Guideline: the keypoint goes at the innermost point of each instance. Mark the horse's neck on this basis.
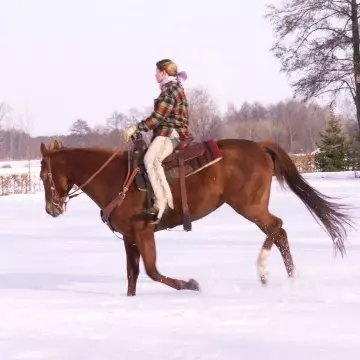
(84, 163)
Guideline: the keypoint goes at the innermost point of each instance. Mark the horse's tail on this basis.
(330, 214)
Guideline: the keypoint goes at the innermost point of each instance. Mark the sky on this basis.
(70, 59)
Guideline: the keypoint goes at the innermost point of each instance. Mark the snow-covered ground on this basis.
(19, 167)
(63, 286)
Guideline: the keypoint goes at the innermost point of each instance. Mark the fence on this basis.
(304, 162)
(20, 184)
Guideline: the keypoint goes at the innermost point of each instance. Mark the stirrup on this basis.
(155, 221)
(151, 211)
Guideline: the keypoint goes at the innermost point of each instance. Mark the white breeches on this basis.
(159, 149)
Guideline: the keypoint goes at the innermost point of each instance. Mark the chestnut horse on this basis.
(242, 179)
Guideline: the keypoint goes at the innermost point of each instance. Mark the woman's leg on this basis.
(159, 149)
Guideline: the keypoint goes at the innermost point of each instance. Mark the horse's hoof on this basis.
(193, 285)
(263, 280)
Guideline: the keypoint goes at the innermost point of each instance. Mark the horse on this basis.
(241, 178)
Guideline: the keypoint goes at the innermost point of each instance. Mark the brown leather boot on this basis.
(152, 212)
(155, 221)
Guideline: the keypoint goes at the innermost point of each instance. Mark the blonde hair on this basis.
(168, 66)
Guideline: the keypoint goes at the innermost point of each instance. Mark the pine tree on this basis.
(334, 148)
(354, 156)
(80, 127)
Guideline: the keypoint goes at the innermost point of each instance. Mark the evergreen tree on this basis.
(334, 148)
(80, 127)
(354, 156)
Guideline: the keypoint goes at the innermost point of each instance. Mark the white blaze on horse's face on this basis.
(56, 185)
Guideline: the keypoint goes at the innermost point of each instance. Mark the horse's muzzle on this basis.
(54, 210)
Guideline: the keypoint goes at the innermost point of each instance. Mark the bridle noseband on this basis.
(58, 201)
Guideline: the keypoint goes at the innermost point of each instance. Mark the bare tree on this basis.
(318, 43)
(117, 121)
(300, 123)
(314, 122)
(135, 115)
(4, 112)
(5, 109)
(203, 114)
(79, 133)
(293, 124)
(80, 127)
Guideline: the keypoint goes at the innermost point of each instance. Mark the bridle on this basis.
(60, 202)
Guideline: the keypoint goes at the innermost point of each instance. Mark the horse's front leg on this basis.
(132, 264)
(146, 245)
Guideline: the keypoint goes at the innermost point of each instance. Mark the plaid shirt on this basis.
(170, 112)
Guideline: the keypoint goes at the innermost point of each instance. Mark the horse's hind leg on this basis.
(275, 234)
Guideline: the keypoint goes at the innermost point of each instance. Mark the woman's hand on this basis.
(129, 132)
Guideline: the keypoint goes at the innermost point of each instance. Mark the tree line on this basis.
(295, 125)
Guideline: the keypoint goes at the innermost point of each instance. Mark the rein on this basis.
(73, 194)
(56, 199)
(60, 202)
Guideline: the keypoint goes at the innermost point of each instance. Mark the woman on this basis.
(170, 123)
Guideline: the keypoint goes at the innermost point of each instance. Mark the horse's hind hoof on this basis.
(193, 285)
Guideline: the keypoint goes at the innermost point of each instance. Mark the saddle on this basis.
(187, 158)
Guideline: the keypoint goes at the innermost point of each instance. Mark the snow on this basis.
(332, 175)
(19, 167)
(63, 286)
(19, 176)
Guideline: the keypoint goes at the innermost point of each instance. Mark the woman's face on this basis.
(160, 75)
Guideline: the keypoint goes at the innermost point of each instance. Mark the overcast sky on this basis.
(72, 59)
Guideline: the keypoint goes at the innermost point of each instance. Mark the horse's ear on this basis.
(43, 149)
(57, 145)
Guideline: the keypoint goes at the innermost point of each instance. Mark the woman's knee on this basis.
(158, 150)
(152, 162)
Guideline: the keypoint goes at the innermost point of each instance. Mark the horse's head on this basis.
(55, 178)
